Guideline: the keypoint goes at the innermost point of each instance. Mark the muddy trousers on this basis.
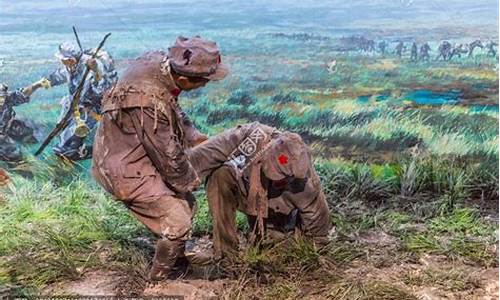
(165, 213)
(223, 197)
(170, 218)
(224, 200)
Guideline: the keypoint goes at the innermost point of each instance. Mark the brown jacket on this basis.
(310, 200)
(143, 135)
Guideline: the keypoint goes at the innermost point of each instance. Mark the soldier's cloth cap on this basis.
(67, 50)
(287, 156)
(197, 57)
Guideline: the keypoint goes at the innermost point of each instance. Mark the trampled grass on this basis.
(360, 289)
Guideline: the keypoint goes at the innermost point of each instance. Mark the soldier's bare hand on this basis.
(44, 82)
(92, 64)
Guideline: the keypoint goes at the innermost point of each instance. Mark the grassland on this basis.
(386, 219)
(412, 188)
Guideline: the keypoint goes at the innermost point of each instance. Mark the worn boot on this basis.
(167, 252)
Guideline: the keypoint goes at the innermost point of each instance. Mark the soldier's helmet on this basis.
(197, 57)
(287, 156)
(67, 50)
(3, 89)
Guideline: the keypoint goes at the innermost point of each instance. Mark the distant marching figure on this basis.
(424, 51)
(491, 48)
(102, 76)
(370, 44)
(413, 55)
(458, 50)
(474, 45)
(444, 50)
(382, 46)
(399, 49)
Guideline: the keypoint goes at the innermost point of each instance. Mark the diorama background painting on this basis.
(405, 141)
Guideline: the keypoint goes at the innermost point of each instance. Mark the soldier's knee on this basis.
(177, 231)
(176, 224)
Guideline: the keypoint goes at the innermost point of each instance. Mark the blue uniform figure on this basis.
(12, 130)
(413, 55)
(424, 52)
(102, 76)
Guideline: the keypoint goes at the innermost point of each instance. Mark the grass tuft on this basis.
(357, 289)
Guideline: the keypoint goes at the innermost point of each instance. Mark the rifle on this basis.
(63, 123)
(79, 44)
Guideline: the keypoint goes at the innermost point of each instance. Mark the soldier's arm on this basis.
(313, 209)
(58, 77)
(164, 150)
(213, 153)
(104, 76)
(97, 68)
(30, 89)
(193, 136)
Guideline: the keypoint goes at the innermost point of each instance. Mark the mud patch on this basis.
(379, 238)
(99, 283)
(189, 289)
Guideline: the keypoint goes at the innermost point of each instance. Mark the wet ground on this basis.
(431, 277)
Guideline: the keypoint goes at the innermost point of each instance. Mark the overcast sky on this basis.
(334, 13)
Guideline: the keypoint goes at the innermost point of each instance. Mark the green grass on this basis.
(450, 279)
(53, 231)
(358, 289)
(50, 232)
(380, 126)
(461, 235)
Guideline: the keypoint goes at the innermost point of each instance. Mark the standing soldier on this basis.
(103, 75)
(382, 45)
(413, 55)
(491, 46)
(399, 49)
(444, 50)
(458, 50)
(139, 148)
(13, 130)
(424, 52)
(473, 46)
(266, 174)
